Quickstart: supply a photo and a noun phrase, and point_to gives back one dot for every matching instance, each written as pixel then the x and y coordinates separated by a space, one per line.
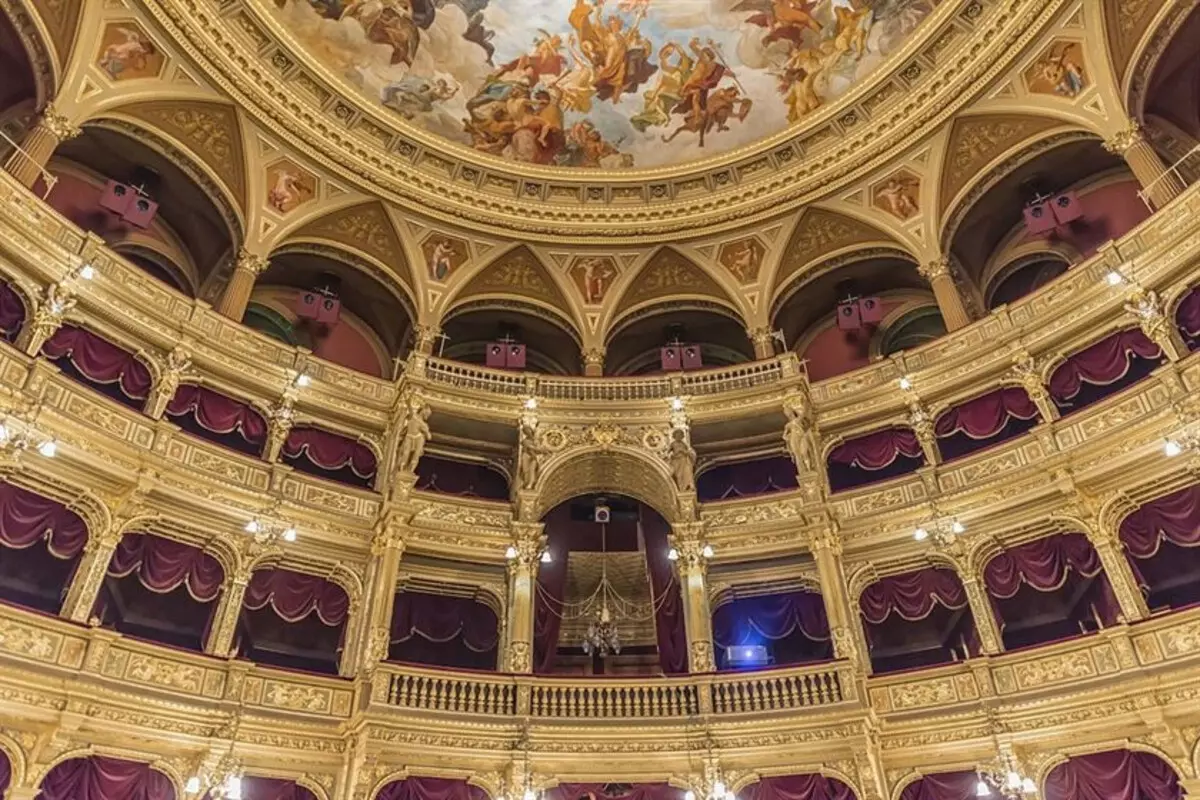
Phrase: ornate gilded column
pixel 1158 184
pixel 236 295
pixel 845 625
pixel 529 540
pixel 166 382
pixel 593 362
pixel 921 422
pixel 51 130
pixel 57 301
pixel 1147 311
pixel 89 574
pixel 1102 532
pixel 990 639
pixel 945 291
pixel 425 337
pixel 229 608
pixel 688 541
pixel 1026 372
pixel 279 424
pixel 763 341
pixel 372 630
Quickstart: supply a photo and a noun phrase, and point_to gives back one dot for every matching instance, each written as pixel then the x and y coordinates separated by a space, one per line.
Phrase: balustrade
pixel 777 690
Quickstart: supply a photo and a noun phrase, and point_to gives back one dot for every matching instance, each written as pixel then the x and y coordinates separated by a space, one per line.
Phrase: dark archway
pixel 634 345
pixel 551 346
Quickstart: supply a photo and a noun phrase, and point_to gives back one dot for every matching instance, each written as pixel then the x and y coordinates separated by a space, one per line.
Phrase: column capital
pixel 58 124
pixel 425 334
pixel 827 537
pixel 250 263
pixel 932 270
pixel 593 361
pixel 1121 141
pixel 389 535
pixel 529 541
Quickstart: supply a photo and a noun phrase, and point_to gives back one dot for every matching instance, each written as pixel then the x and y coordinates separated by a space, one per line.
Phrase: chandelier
pixel 602 637
pixel 1005 777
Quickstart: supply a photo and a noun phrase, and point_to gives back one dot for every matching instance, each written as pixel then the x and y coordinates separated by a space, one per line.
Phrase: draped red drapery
pixel 1188 318
pixel 669 626
pixel 912 595
pixel 877 450
pixel 330 451
pixel 431 789
pixel 770 616
pixel 747 478
pixel 1113 775
pixel 274 789
pixel 27 518
pixel 1174 517
pixel 295 595
pixel 99 360
pixel 5 772
pixel 608 791
pixel 1105 362
pixel 985 416
pixel 12 313
pixel 163 565
pixel 942 786
pixel 1045 565
pixel 798 787
pixel 441 618
pixel 216 413
pixel 104 778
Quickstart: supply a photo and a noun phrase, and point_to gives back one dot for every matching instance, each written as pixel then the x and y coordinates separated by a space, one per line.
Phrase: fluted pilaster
pixel 1159 185
pixel 236 295
pixel 50 131
pixel 945 291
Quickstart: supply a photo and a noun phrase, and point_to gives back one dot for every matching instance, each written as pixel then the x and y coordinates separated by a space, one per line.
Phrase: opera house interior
pixel 486 400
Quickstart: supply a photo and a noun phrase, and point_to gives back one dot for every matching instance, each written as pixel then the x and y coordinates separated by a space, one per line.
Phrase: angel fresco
pixel 612 84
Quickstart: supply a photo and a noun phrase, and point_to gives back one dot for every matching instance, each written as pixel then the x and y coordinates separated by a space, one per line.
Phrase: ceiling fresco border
pixel 922 93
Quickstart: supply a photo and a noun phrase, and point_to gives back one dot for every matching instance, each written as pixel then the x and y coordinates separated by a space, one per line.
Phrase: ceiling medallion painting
pixel 603 83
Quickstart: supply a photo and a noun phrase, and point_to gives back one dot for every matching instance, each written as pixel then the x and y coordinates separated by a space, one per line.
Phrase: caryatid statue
pixel 799 434
pixel 682 457
pixel 416 435
pixel 529 453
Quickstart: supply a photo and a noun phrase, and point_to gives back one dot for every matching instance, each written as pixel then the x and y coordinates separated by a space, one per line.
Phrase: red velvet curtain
pixel 987 415
pixel 669 625
pixel 772 616
pixel 27 518
pixel 217 413
pixel 1103 363
pixel 1188 317
pixel 747 478
pixel 295 595
pixel 330 451
pixel 913 595
pixel 5 773
pixel 614 791
pixel 440 618
pixel 798 787
pixel 942 786
pixel 877 450
pixel 99 360
pixel 1043 564
pixel 1174 517
pixel 162 565
pixel 274 789
pixel 447 476
pixel 103 778
pixel 12 313
pixel 431 789
pixel 1113 775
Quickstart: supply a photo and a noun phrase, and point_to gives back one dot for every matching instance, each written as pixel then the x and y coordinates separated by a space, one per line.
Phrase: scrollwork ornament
pixel 701 653
pixel 59 125
pixel 1124 140
pixel 520 657
pixel 57 302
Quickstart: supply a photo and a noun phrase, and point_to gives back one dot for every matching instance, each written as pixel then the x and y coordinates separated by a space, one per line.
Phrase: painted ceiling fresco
pixel 607 84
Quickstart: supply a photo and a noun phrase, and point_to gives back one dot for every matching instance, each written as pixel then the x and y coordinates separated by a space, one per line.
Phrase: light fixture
pixel 905 383
pixel 303 380
pixel 233 787
pixel 289 534
pixel 672 554
pixel 920 534
pixel 529 794
pixel 707 551
pixel 48 448
pixel 193 785
pixel 87 272
pixel 982 789
pixel 3 433
pixel 1172 448
pixel 270 529
pixel 253 527
pixel 957 527
pixel 719 788
pixel 677 404
pixel 1114 278
pixel 546 557
pixel 531 403
pixel 689 795
pixel 510 552
pixel 1005 777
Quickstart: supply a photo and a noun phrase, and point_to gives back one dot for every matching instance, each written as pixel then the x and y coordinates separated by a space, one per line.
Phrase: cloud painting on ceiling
pixel 603 83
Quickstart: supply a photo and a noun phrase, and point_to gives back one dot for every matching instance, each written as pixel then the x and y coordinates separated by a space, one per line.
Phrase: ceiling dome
pixel 594 84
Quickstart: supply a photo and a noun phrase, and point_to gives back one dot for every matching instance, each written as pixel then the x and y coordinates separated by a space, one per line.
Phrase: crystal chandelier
pixel 602 637
pixel 1006 779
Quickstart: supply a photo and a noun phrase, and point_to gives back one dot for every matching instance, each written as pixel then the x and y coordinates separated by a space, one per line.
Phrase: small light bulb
pixel 233 787
pixel 192 786
pixel 529 795
pixel 3 432
pixel 982 789
pixel 957 527
pixel 719 788
pixel 1172 448
pixel 672 554
pixel 730 796
pixel 677 403
pixel 1013 780
pixel 1028 786
pixel 252 526
pixel 303 380
pixel 920 534
pixel 289 535
pixel 531 403
pixel 510 552
pixel 546 557
pixel 707 552
pixel 905 383
pixel 689 795
pixel 87 272
pixel 1114 278
pixel 48 448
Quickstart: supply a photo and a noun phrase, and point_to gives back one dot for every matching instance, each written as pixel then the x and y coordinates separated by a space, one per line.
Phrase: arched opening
pixel 451 627
pixel 833 343
pixel 615 572
pixel 753 628
pixel 329 455
pixel 913 328
pixel 18 91
pixel 873 457
pixel 1162 543
pixel 455 476
pixel 160 590
pixel 40 544
pixel 807 786
pixel 746 478
pixel 635 346
pixel 218 418
pixel 420 788
pixel 551 346
pixel 1023 277
pixel 1049 589
pixel 1114 363
pixel 95 362
pixel 918 619
pixel 293 620
pixel 257 788
pixel 186 240
pixel 1173 96
pixel 1113 775
pixel 369 331
pixel 105 778
pixel 983 421
pixel 993 231
pixel 614 791
pixel 947 786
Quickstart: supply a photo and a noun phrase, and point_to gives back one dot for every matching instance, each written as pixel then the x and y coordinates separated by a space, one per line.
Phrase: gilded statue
pixel 797 435
pixel 416 434
pixel 682 457
pixel 529 454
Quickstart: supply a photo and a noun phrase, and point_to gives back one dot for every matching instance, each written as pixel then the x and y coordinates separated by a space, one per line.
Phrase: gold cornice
pixel 731 197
